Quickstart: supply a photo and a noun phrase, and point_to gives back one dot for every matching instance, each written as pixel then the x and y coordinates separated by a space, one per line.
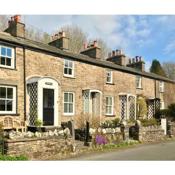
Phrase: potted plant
pixel 38 124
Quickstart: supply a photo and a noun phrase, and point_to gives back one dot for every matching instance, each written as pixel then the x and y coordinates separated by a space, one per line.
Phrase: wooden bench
pixel 12 123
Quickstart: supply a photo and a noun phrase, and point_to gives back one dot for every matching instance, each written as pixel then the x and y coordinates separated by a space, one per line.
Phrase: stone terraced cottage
pixel 48 82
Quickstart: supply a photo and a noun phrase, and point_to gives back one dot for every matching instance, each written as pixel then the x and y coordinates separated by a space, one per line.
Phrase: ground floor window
pixel 68 103
pixel 7 99
pixel 109 105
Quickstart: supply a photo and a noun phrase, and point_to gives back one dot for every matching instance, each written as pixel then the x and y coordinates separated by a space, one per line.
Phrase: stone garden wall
pixel 171 129
pixel 151 134
pixel 40 148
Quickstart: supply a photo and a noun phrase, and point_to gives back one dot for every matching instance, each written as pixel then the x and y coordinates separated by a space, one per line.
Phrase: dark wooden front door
pixel 48 107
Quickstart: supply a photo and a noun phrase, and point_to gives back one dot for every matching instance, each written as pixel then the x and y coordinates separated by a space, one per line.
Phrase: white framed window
pixel 138 82
pixel 69 103
pixel 162 105
pixel 161 86
pixel 7 100
pixel 7 57
pixel 109 105
pixel 109 77
pixel 68 68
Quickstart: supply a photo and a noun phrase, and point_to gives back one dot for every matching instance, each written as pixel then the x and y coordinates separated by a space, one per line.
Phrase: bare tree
pixel 3 22
pixel 169 68
pixel 76 37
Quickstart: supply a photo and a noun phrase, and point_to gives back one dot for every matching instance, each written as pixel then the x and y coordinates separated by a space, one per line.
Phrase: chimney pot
pixel 95 43
pixel 133 60
pixel 140 58
pixel 113 53
pixel 17 18
pixel 85 45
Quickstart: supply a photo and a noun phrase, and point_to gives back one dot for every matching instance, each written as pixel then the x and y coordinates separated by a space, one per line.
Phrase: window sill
pixel 9 114
pixel 110 115
pixel 139 88
pixel 110 83
pixel 67 115
pixel 9 68
pixel 67 76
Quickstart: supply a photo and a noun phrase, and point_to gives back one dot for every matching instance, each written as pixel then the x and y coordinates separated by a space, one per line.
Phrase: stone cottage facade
pixel 48 82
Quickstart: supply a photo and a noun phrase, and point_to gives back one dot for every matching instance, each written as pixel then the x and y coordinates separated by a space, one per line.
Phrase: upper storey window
pixel 161 86
pixel 68 68
pixel 138 82
pixel 6 57
pixel 109 76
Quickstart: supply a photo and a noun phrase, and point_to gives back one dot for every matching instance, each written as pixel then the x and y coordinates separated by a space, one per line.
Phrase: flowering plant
pixel 100 140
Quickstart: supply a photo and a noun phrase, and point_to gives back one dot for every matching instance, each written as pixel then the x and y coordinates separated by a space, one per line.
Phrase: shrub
pixel 171 110
pixel 162 113
pixel 81 120
pixel 111 123
pixel 149 122
pixel 5 157
pixel 142 108
pixel 38 122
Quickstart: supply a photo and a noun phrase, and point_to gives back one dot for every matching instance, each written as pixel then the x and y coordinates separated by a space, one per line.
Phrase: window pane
pixel 110 110
pixel 65 107
pixel 70 97
pixel 2 92
pixel 9 52
pixel 3 51
pixel 9 105
pixel 10 93
pixel 65 70
pixel 66 97
pixel 70 71
pixel 70 108
pixel 70 64
pixel 3 60
pixel 111 101
pixel 8 61
pixel 106 100
pixel 2 105
pixel 66 63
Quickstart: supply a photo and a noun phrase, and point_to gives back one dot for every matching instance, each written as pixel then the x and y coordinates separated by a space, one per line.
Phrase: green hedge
pixel 12 158
pixel 149 122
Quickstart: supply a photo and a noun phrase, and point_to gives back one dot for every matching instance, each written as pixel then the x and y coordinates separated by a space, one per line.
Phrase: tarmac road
pixel 159 151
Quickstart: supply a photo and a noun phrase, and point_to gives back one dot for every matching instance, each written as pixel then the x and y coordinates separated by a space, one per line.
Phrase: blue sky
pixel 152 37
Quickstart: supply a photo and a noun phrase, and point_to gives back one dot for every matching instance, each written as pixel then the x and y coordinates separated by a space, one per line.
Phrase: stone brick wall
pixel 169 96
pixel 40 148
pixel 86 77
pixel 15 77
pixel 151 134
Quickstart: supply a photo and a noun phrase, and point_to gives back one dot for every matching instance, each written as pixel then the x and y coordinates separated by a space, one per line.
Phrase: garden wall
pixel 171 129
pixel 151 134
pixel 40 148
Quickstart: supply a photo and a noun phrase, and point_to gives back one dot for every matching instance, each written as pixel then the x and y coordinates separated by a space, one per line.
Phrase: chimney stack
pixel 92 50
pixel 118 57
pixel 60 41
pixel 16 27
pixel 137 63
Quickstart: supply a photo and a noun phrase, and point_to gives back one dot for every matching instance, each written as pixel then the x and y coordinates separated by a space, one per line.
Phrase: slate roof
pixel 38 46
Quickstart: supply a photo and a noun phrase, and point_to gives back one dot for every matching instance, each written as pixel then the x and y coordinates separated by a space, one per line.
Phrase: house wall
pixel 169 95
pixel 86 77
pixel 15 77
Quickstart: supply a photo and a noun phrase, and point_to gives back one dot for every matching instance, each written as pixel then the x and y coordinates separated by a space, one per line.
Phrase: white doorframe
pixel 48 83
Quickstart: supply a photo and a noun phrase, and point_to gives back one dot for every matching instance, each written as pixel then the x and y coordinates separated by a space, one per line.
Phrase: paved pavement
pixel 160 151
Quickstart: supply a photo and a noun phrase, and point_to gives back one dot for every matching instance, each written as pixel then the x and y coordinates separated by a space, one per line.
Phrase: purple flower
pixel 100 140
